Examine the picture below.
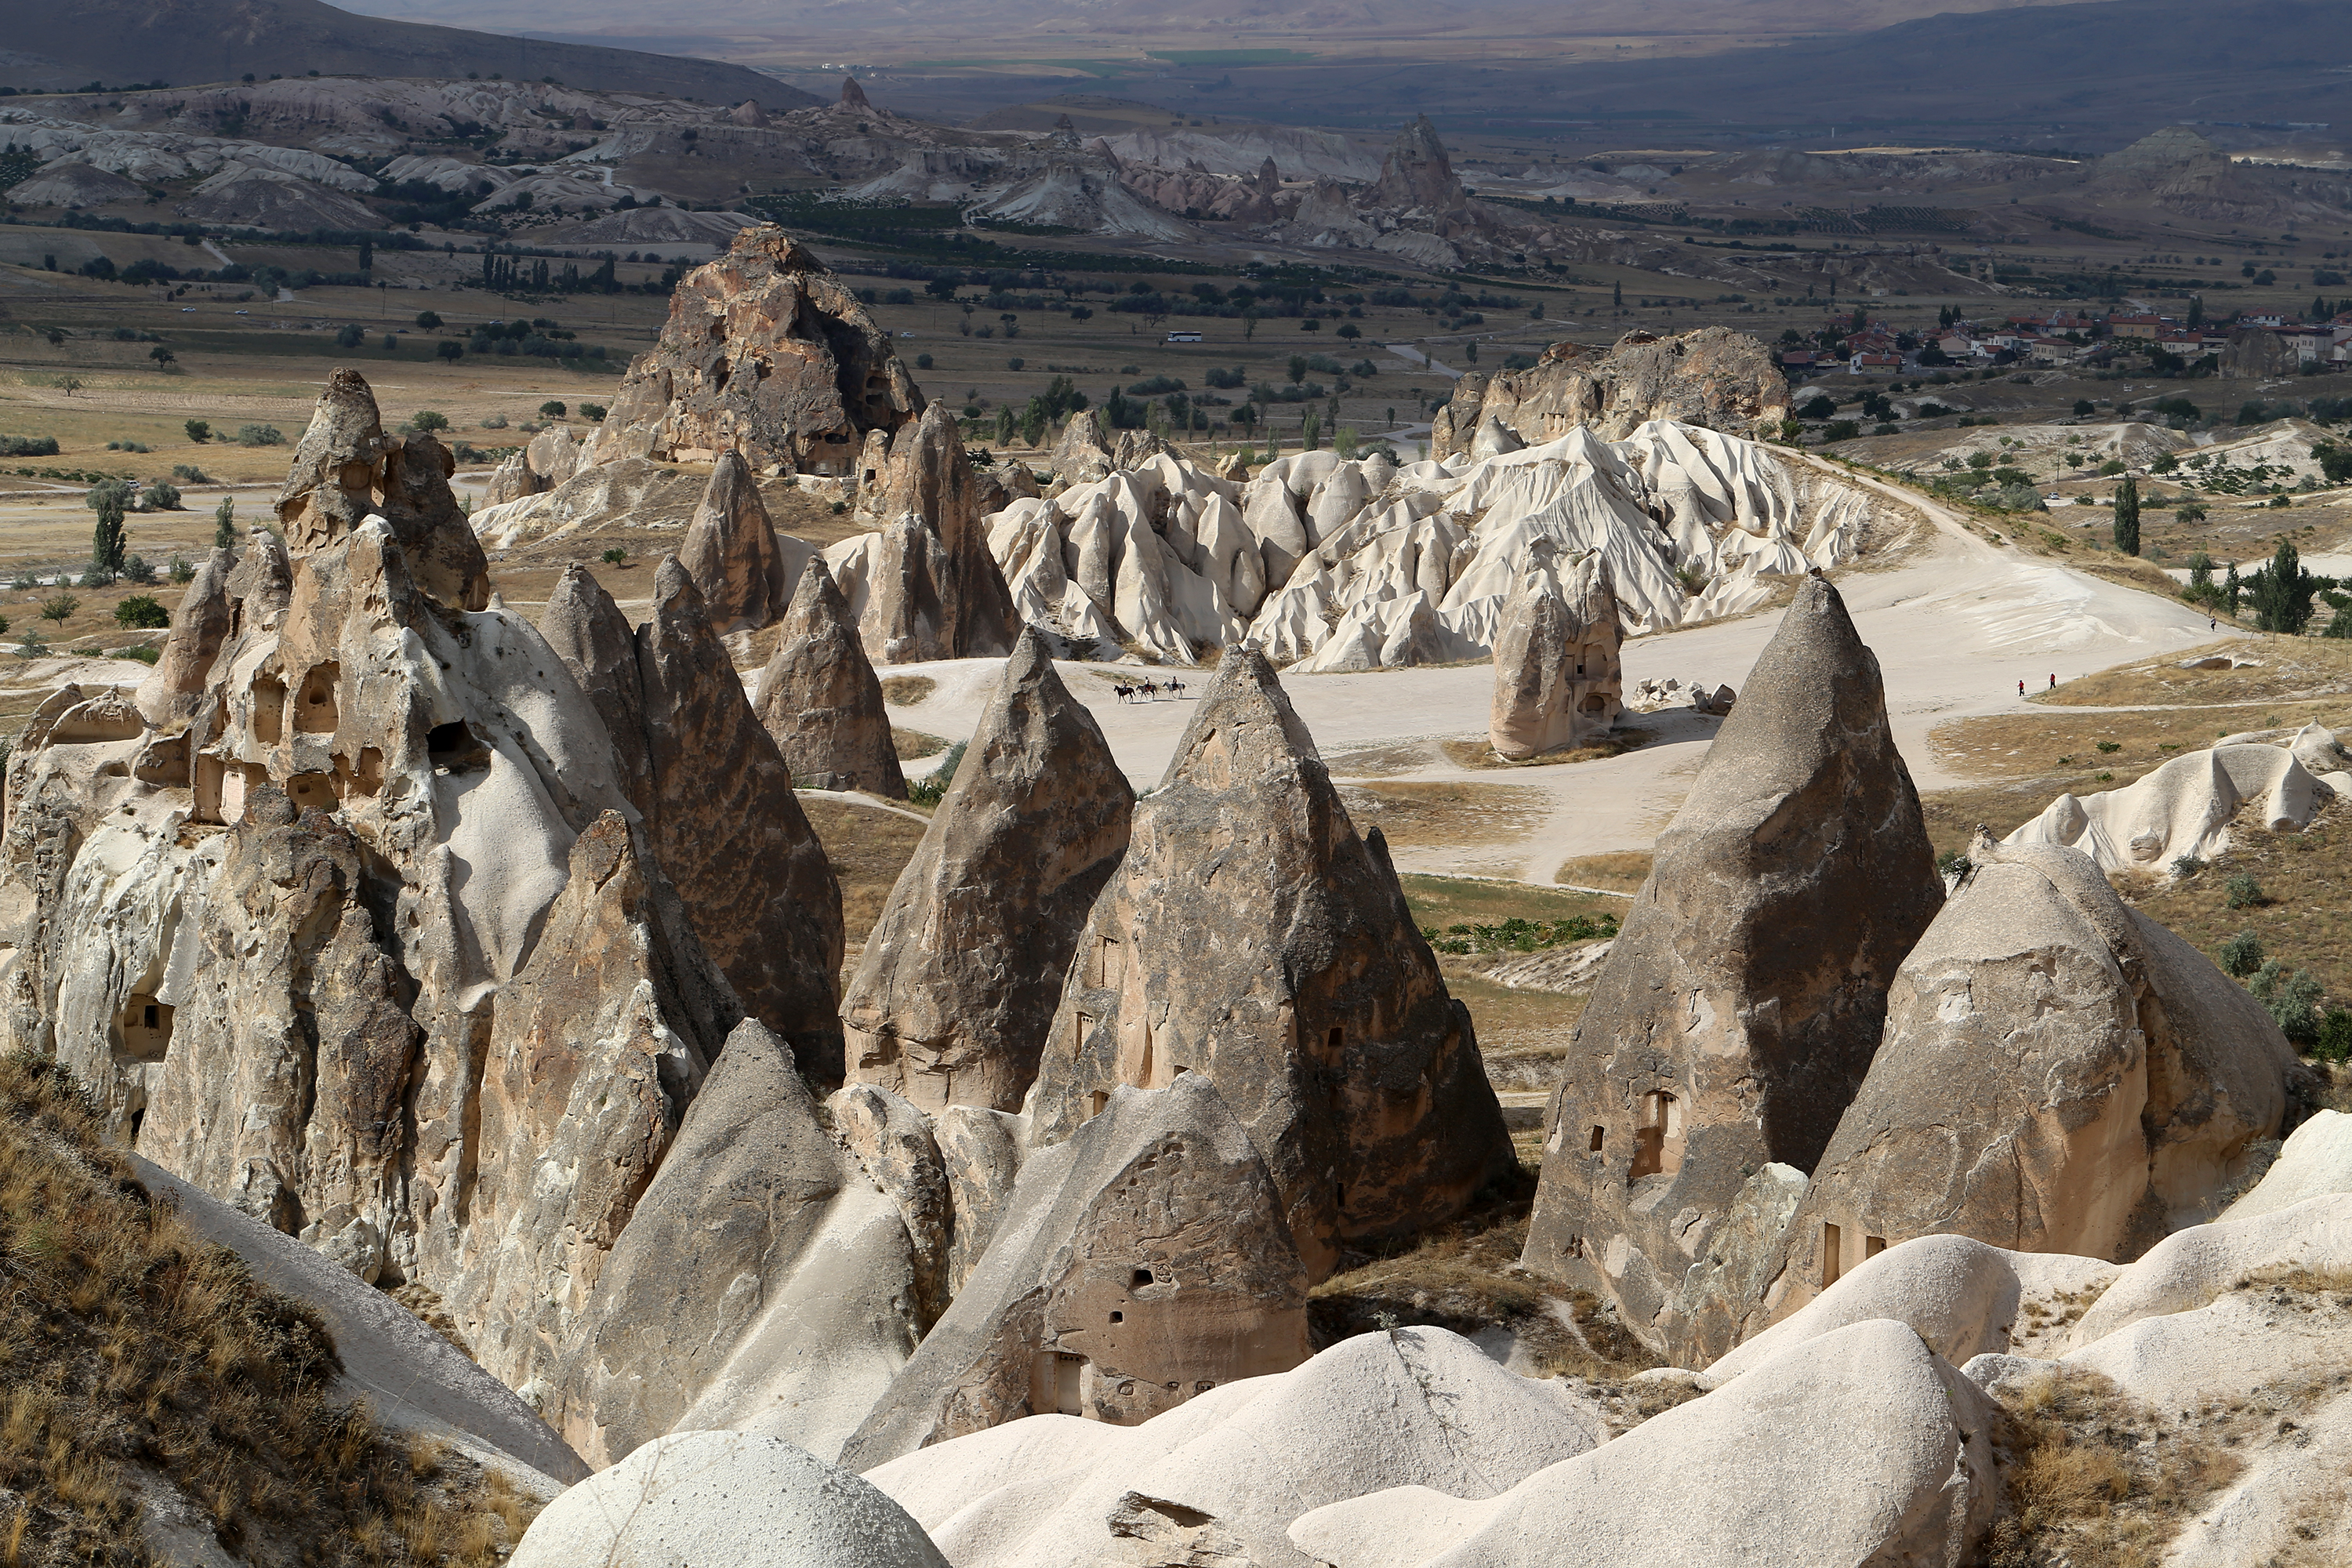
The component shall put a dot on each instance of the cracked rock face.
(926, 585)
(766, 354)
(1558, 682)
(1252, 938)
(954, 995)
(731, 551)
(1741, 1003)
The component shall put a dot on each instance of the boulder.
(1862, 1447)
(551, 456)
(1559, 681)
(2059, 1074)
(953, 997)
(762, 1283)
(1137, 1263)
(820, 700)
(755, 879)
(1080, 454)
(768, 354)
(1253, 939)
(1742, 1001)
(730, 551)
(724, 1499)
(1233, 1469)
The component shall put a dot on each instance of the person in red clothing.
(2054, 680)
(2020, 689)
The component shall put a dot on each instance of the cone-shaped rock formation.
(939, 594)
(1142, 1262)
(1734, 1017)
(2059, 1074)
(821, 700)
(955, 992)
(1252, 938)
(763, 896)
(731, 551)
(768, 354)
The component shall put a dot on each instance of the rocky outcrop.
(206, 619)
(1558, 682)
(1417, 175)
(1252, 939)
(1741, 1003)
(2184, 809)
(594, 1052)
(730, 551)
(820, 700)
(1715, 377)
(756, 882)
(955, 992)
(2059, 1074)
(766, 353)
(547, 461)
(1080, 454)
(587, 631)
(1138, 1263)
(932, 592)
(762, 1282)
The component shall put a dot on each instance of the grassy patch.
(2288, 667)
(1523, 1035)
(1443, 902)
(868, 848)
(2056, 745)
(1479, 753)
(905, 690)
(1443, 816)
(913, 743)
(2302, 921)
(1622, 871)
(132, 1352)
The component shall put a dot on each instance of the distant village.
(2254, 343)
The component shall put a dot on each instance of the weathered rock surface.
(2186, 807)
(1228, 1472)
(1080, 454)
(594, 1053)
(1861, 1446)
(1251, 937)
(2314, 1162)
(725, 1499)
(585, 629)
(1715, 377)
(206, 619)
(768, 354)
(1742, 1001)
(935, 593)
(1559, 680)
(1139, 1262)
(2059, 1074)
(762, 1282)
(821, 700)
(755, 881)
(954, 995)
(730, 551)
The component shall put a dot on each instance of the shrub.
(161, 496)
(1840, 430)
(189, 474)
(183, 570)
(433, 419)
(427, 321)
(922, 361)
(199, 431)
(135, 569)
(2242, 954)
(32, 645)
(145, 652)
(1951, 863)
(931, 789)
(495, 422)
(29, 446)
(2243, 892)
(350, 336)
(551, 409)
(59, 607)
(450, 348)
(618, 555)
(2187, 865)
(259, 436)
(2335, 1042)
(141, 611)
(2292, 1000)
(592, 412)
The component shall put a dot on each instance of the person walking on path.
(2020, 689)
(2054, 680)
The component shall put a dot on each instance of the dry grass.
(1446, 816)
(2289, 667)
(129, 1346)
(1463, 1277)
(868, 848)
(2131, 570)
(1624, 871)
(905, 690)
(1479, 753)
(2056, 745)
(1441, 902)
(2303, 922)
(912, 744)
(2096, 1479)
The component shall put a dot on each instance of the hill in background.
(51, 47)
